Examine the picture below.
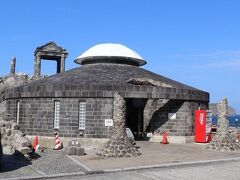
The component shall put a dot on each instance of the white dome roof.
(110, 50)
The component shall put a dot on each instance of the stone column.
(13, 66)
(119, 145)
(223, 140)
(37, 65)
(62, 69)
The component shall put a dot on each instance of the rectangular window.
(56, 114)
(82, 115)
(18, 111)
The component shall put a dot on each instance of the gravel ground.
(54, 162)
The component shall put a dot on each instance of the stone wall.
(184, 123)
(36, 116)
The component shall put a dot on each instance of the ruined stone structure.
(11, 137)
(223, 141)
(79, 102)
(119, 144)
(13, 66)
(49, 51)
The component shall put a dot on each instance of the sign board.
(108, 122)
(171, 115)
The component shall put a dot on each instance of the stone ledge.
(173, 139)
(49, 142)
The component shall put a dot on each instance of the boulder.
(24, 150)
(22, 142)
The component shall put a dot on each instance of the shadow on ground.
(13, 162)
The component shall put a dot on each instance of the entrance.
(134, 116)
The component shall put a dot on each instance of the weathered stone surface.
(147, 81)
(74, 143)
(14, 139)
(80, 151)
(22, 142)
(1, 150)
(8, 125)
(130, 136)
(223, 140)
(9, 132)
(71, 150)
(213, 108)
(18, 133)
(119, 144)
(10, 81)
(25, 150)
(13, 66)
(2, 124)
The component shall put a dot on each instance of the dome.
(110, 53)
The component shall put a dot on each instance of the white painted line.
(80, 164)
(166, 165)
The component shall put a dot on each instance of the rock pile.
(11, 81)
(223, 140)
(13, 138)
(119, 144)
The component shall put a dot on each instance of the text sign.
(171, 115)
(108, 122)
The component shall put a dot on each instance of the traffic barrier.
(58, 143)
(35, 144)
(164, 141)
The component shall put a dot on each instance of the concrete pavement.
(154, 155)
(219, 171)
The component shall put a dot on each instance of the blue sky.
(194, 42)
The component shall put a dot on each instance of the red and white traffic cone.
(35, 144)
(164, 141)
(58, 143)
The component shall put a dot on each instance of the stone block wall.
(11, 109)
(184, 123)
(36, 116)
(98, 109)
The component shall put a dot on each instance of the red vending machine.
(202, 126)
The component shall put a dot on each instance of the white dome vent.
(110, 53)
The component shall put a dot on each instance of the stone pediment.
(51, 47)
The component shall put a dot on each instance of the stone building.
(79, 102)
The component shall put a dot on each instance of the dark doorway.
(134, 116)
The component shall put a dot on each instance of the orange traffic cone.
(164, 141)
(58, 143)
(35, 144)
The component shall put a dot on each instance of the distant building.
(79, 102)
